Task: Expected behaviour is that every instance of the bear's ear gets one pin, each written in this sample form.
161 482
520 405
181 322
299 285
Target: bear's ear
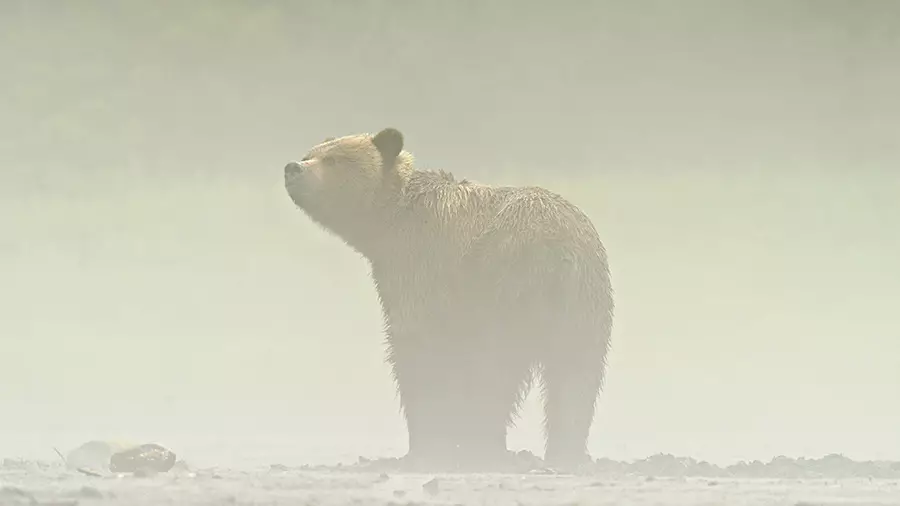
389 143
328 139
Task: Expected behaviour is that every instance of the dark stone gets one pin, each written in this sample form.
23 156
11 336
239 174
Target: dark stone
142 458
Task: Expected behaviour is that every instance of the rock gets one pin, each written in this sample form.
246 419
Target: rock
146 458
432 487
95 455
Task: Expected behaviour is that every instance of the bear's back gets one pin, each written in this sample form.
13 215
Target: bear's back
446 230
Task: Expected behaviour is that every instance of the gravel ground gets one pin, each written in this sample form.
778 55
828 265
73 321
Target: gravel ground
43 483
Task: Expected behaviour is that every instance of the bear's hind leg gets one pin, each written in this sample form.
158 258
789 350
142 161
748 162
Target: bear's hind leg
571 384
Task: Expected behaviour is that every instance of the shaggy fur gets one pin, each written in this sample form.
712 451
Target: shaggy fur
482 288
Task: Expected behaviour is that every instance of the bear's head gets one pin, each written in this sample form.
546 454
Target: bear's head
345 184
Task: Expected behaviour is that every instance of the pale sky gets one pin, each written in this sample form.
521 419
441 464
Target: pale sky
738 159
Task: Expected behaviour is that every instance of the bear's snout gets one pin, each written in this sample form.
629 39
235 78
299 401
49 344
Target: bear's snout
300 178
293 168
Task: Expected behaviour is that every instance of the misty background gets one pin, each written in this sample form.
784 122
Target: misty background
738 158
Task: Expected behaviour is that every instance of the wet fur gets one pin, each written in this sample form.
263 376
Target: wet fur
482 288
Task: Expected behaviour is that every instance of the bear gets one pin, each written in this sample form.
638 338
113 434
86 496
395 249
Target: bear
483 289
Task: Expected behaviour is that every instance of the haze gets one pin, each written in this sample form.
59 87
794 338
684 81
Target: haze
739 160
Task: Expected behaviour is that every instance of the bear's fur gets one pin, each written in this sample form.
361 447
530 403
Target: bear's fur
482 287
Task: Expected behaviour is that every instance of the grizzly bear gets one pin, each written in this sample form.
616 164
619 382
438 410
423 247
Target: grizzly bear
482 289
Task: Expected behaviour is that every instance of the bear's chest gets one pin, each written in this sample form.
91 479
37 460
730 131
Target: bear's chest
417 291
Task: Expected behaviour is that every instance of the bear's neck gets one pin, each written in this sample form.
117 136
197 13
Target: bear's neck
423 236
427 226
416 217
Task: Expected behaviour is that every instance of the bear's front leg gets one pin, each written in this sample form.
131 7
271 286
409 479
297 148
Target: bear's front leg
430 398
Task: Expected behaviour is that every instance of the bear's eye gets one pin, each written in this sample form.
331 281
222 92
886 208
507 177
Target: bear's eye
328 160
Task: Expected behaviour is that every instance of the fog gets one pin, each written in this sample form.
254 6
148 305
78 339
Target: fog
738 159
